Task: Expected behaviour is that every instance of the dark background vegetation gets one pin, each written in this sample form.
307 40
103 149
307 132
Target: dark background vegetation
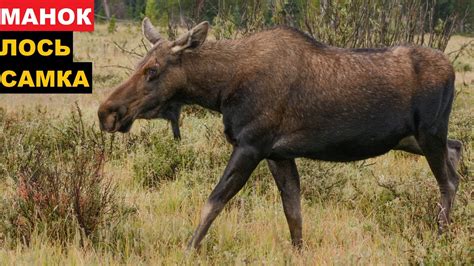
344 23
273 12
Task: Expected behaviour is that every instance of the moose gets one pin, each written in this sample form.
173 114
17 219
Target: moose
170 114
284 95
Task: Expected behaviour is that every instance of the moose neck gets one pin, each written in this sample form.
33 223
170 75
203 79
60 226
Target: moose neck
209 72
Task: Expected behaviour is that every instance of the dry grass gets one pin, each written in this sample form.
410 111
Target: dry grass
383 212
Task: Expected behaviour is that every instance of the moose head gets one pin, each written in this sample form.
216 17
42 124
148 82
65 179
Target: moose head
151 90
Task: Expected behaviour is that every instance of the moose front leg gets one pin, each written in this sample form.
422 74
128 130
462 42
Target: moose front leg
239 168
287 179
175 128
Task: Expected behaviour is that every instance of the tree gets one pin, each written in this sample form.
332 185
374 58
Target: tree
106 8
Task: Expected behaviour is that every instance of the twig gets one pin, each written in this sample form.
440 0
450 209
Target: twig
144 45
123 49
106 18
460 51
117 66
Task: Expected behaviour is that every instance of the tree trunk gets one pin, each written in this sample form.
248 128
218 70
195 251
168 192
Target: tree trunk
198 8
324 5
106 9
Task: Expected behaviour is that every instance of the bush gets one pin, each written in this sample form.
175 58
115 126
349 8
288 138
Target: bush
351 23
151 9
361 23
321 181
58 183
462 67
60 198
409 208
161 160
223 28
461 125
112 27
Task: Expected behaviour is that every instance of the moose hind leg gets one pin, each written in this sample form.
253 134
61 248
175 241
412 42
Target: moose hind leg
435 149
410 144
175 128
287 179
239 168
454 151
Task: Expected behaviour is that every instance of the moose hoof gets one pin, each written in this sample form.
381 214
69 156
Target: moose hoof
192 246
298 245
189 251
443 220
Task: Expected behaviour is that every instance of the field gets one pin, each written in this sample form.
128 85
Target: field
73 195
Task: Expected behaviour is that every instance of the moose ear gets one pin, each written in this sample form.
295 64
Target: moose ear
192 39
150 31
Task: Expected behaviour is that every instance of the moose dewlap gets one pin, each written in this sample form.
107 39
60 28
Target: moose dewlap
283 95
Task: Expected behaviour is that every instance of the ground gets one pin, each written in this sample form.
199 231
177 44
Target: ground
378 211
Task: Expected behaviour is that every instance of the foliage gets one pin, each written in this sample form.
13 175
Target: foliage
161 160
223 28
250 13
60 189
150 10
112 25
365 23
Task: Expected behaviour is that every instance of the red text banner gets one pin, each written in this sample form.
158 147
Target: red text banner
46 15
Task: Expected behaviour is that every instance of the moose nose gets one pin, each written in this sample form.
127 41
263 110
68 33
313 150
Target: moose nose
110 115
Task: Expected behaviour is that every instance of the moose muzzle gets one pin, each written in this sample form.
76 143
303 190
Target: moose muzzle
113 118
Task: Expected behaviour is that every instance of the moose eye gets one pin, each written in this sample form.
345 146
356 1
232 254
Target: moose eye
151 73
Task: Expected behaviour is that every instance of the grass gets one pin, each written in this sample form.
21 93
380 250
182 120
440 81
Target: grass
378 211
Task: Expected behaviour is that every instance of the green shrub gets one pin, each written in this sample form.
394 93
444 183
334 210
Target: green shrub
151 9
161 160
60 197
462 67
321 181
461 125
112 25
58 186
223 28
